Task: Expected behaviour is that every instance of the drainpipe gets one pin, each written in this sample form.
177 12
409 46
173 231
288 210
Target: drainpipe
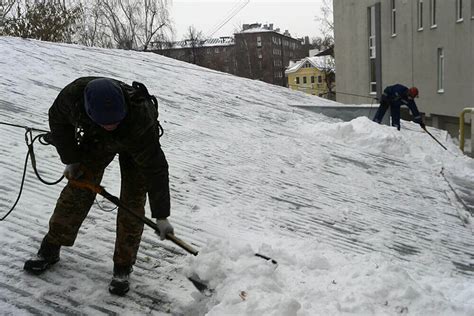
461 128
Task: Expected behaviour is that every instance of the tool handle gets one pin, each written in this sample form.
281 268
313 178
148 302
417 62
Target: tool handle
171 237
100 190
182 244
434 138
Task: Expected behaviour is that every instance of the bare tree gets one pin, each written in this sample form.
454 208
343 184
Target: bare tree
93 30
5 8
322 43
327 66
326 20
133 24
156 21
327 63
195 40
119 21
326 27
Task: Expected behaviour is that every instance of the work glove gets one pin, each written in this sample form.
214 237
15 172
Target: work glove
73 171
164 228
423 126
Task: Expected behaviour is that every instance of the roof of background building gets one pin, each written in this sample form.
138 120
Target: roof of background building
259 28
212 42
319 62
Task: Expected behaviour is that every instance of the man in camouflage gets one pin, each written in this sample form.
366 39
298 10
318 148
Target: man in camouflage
91 121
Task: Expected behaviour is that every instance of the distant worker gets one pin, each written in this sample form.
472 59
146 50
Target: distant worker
394 97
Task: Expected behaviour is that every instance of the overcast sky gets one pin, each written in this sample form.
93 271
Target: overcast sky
298 17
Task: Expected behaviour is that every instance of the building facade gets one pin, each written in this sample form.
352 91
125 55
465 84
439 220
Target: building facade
257 52
216 53
263 53
425 43
310 75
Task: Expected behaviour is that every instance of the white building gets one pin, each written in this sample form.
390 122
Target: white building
425 43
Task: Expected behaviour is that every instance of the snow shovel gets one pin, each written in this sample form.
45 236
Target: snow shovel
100 190
424 127
200 285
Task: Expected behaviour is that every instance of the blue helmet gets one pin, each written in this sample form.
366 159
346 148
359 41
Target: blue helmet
104 101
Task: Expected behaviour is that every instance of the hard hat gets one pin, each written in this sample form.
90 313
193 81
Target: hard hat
413 92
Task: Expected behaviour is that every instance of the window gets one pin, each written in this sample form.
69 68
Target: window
373 80
394 18
312 79
433 13
216 50
440 70
297 80
259 41
372 51
420 15
304 79
458 10
320 79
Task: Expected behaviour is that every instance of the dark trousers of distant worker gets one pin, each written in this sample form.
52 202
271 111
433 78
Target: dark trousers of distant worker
74 204
394 113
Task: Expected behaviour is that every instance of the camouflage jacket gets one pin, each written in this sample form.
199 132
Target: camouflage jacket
76 137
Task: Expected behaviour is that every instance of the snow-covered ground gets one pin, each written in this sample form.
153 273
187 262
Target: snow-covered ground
361 218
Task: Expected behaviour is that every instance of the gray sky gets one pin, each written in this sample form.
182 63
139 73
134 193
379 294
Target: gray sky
298 17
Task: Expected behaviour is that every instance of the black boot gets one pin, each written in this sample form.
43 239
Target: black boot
120 284
48 255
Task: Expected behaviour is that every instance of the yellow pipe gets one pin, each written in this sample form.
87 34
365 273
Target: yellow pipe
461 126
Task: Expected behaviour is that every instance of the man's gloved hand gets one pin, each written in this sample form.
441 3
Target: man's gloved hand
73 171
164 228
423 126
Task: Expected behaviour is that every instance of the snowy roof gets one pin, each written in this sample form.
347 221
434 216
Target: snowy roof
212 42
322 62
361 218
257 30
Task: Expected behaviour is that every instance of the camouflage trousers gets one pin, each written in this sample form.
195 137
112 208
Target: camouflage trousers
74 203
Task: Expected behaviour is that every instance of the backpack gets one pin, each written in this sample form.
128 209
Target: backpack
139 93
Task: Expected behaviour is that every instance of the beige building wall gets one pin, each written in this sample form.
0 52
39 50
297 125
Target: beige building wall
410 56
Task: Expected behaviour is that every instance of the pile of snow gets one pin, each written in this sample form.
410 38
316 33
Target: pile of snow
313 279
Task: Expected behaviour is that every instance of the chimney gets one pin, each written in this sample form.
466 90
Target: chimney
271 26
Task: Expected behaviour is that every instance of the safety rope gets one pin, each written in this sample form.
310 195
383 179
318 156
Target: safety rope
30 140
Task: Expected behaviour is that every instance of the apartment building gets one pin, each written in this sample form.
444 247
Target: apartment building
214 53
257 52
264 53
425 43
